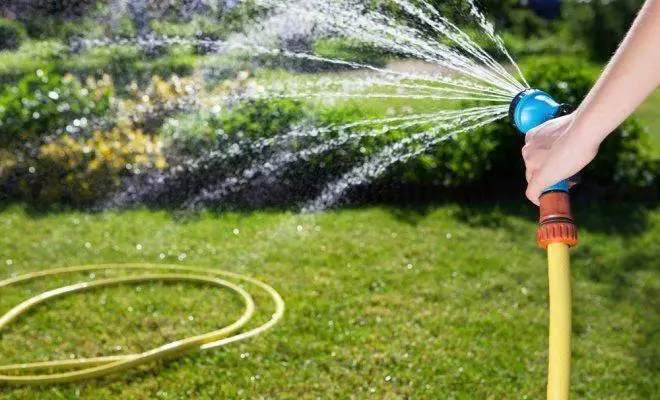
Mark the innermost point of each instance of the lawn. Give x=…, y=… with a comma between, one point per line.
x=447, y=302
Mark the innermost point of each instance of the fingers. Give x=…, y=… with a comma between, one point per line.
x=539, y=181
x=533, y=194
x=529, y=175
x=533, y=157
x=549, y=130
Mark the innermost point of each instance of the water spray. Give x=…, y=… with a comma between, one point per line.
x=556, y=234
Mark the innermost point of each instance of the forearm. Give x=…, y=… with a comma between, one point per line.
x=632, y=75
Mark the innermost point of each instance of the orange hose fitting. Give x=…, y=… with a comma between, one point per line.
x=556, y=221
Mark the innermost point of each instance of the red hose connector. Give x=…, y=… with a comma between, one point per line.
x=556, y=221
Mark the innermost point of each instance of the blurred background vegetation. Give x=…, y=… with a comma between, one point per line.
x=128, y=108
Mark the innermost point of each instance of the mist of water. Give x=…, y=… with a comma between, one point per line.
x=463, y=73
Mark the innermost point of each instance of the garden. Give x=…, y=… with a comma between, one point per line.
x=425, y=282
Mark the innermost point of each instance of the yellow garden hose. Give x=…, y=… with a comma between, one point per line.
x=559, y=354
x=557, y=233
x=87, y=368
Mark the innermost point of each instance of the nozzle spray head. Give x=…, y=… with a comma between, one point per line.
x=531, y=108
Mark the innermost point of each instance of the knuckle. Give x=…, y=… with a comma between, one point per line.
x=526, y=151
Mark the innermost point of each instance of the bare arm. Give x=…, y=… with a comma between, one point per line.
x=561, y=148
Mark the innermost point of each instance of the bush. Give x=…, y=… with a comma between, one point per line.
x=12, y=35
x=192, y=136
x=46, y=104
x=350, y=50
x=146, y=109
x=71, y=171
x=207, y=148
x=601, y=24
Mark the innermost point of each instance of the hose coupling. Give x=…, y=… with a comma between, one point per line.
x=556, y=224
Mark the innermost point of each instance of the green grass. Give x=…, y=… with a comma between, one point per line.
x=447, y=302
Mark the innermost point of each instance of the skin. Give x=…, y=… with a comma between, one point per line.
x=562, y=147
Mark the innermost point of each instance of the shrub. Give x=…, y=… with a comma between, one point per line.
x=350, y=50
x=147, y=108
x=82, y=171
x=206, y=148
x=12, y=35
x=601, y=24
x=45, y=103
x=198, y=134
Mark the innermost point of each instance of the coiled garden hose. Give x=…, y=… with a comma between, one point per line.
x=88, y=368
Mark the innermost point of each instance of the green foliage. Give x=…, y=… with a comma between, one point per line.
x=601, y=24
x=196, y=134
x=567, y=79
x=46, y=103
x=350, y=50
x=73, y=171
x=257, y=119
x=12, y=34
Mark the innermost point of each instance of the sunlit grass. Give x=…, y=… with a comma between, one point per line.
x=447, y=302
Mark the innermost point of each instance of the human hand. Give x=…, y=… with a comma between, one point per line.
x=554, y=152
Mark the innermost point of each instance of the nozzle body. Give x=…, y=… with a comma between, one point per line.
x=532, y=108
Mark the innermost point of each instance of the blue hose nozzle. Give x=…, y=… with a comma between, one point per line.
x=532, y=108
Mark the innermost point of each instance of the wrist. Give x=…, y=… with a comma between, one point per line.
x=584, y=135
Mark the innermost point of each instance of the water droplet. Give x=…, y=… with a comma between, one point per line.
x=409, y=266
x=299, y=228
x=448, y=235
x=138, y=247
x=10, y=262
x=236, y=231
x=388, y=378
x=53, y=95
x=88, y=245
x=182, y=256
x=161, y=256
